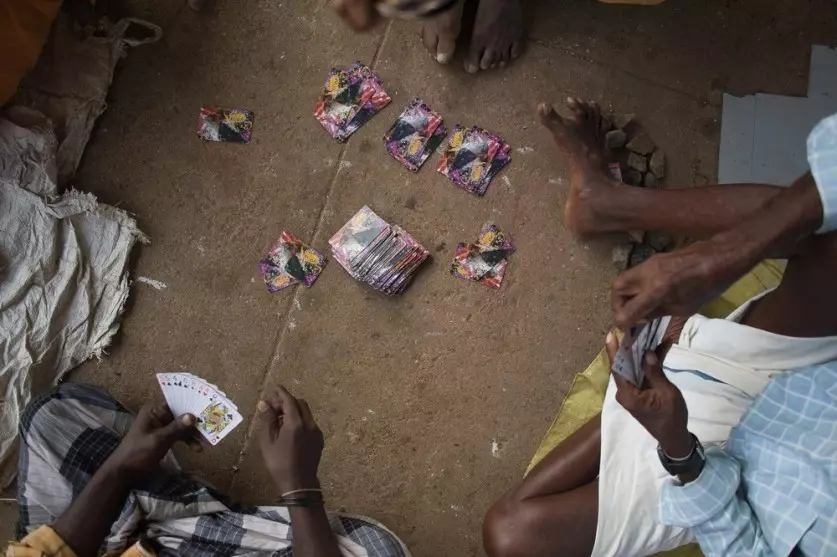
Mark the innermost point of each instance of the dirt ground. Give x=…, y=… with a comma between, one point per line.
x=431, y=403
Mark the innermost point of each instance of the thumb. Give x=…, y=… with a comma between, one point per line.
x=179, y=429
x=267, y=422
x=653, y=370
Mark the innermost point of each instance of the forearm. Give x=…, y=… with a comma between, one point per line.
x=782, y=222
x=312, y=535
x=86, y=524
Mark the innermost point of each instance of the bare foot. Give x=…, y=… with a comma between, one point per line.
x=498, y=35
x=439, y=33
x=580, y=138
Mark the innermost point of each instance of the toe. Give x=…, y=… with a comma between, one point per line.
x=472, y=62
x=488, y=58
x=548, y=117
x=445, y=48
x=576, y=107
x=516, y=49
x=430, y=40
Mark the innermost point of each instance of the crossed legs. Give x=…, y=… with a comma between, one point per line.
x=554, y=510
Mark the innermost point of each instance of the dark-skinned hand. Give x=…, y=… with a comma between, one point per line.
x=290, y=441
x=677, y=283
x=657, y=405
x=149, y=438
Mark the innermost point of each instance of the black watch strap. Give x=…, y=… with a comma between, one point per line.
x=693, y=464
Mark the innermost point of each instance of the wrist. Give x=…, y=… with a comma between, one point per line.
x=297, y=484
x=117, y=474
x=677, y=445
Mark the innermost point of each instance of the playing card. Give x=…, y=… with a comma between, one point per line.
x=415, y=135
x=222, y=124
x=356, y=235
x=638, y=340
x=349, y=99
x=186, y=393
x=291, y=261
x=469, y=158
x=485, y=261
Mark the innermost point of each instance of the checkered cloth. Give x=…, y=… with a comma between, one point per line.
x=775, y=487
x=68, y=433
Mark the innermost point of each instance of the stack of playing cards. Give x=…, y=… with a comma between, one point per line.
x=225, y=124
x=376, y=252
x=185, y=393
x=289, y=262
x=349, y=100
x=415, y=135
x=487, y=260
x=638, y=340
x=473, y=157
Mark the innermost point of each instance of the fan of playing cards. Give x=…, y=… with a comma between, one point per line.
x=637, y=341
x=185, y=393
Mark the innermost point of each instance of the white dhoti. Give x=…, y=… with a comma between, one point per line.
x=720, y=366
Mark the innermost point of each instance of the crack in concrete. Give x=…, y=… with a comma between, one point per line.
x=293, y=302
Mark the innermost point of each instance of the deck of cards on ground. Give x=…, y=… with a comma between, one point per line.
x=415, y=135
x=289, y=262
x=349, y=99
x=381, y=254
x=473, y=157
x=185, y=393
x=234, y=125
x=485, y=261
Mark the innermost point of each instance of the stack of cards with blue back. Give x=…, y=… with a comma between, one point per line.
x=185, y=393
x=384, y=256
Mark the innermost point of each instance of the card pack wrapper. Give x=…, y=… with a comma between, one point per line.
x=349, y=99
x=225, y=124
x=473, y=157
x=415, y=135
x=486, y=260
x=289, y=262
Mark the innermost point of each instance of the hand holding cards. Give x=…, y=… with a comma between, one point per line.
x=185, y=393
x=638, y=340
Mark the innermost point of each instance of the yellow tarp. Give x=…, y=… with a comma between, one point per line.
x=24, y=26
x=586, y=396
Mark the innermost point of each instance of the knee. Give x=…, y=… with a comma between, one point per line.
x=504, y=529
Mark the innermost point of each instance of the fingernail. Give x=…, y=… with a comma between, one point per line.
x=261, y=406
x=471, y=68
x=443, y=57
x=650, y=357
x=188, y=420
x=609, y=338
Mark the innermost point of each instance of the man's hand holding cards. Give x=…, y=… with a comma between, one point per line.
x=185, y=393
x=638, y=340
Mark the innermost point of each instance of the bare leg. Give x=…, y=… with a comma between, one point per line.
x=598, y=203
x=553, y=511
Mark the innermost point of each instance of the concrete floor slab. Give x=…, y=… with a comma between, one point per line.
x=432, y=403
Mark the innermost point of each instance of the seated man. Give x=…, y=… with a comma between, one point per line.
x=91, y=480
x=758, y=390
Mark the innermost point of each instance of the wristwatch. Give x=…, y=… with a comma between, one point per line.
x=689, y=464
